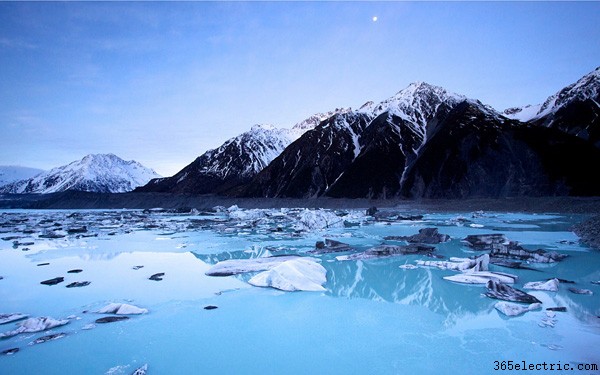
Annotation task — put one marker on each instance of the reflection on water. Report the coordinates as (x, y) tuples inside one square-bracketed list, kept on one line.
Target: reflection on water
[(184, 245)]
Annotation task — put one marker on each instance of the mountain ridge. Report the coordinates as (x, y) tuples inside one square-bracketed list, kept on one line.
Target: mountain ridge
[(102, 173)]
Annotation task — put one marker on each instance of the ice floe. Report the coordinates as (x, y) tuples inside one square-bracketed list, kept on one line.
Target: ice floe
[(317, 219), (122, 309), (514, 309), (382, 251), (7, 318), (505, 292), (297, 274), (32, 325), (237, 266), (482, 277), (459, 264), (550, 285), (425, 235)]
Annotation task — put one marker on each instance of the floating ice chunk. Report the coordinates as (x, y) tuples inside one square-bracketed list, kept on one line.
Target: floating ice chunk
[(425, 235), (481, 277), (317, 219), (141, 370), (47, 338), (514, 309), (459, 264), (237, 213), (550, 285), (122, 309), (236, 266), (485, 241), (476, 225), (296, 274), (7, 318), (581, 291), (408, 266), (35, 325), (505, 292), (88, 326)]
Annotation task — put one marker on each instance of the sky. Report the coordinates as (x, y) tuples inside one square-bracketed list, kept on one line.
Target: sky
[(162, 82)]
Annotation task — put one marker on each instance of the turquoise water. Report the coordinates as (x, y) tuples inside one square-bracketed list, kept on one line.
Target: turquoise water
[(375, 317)]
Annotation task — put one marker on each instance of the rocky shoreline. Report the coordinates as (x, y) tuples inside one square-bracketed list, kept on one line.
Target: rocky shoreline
[(85, 200), (589, 231)]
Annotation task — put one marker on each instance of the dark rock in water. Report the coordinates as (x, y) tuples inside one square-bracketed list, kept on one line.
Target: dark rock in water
[(74, 271), (10, 351), (558, 308), (395, 216), (137, 267), (581, 291), (371, 211), (485, 241), (82, 229), (593, 282), (11, 238), (44, 339), (51, 235), (210, 307), (54, 281), (513, 250), (330, 246), (507, 264), (111, 319), (426, 235), (507, 293), (157, 276), (79, 284), (43, 264)]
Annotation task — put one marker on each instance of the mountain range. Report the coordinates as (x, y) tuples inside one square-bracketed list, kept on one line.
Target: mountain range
[(101, 173), (423, 142)]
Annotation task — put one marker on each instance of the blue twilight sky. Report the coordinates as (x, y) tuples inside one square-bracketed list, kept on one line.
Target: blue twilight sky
[(163, 82)]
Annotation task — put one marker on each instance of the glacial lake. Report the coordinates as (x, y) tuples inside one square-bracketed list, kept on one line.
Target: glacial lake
[(374, 317)]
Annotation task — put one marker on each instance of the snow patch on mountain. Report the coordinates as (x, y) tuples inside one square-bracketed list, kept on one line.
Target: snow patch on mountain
[(587, 87), (102, 173)]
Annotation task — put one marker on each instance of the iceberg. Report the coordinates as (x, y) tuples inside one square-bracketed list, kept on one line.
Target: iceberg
[(236, 266), (122, 309), (482, 277), (514, 309), (550, 285), (32, 325), (505, 292), (317, 219), (425, 235), (459, 264), (7, 318), (297, 274)]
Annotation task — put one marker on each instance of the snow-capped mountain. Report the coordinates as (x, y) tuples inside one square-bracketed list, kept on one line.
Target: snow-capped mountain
[(237, 160), (12, 173), (575, 109), (423, 142), (345, 154), (102, 173)]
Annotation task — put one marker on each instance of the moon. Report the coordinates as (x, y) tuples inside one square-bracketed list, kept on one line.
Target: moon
[(374, 18)]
